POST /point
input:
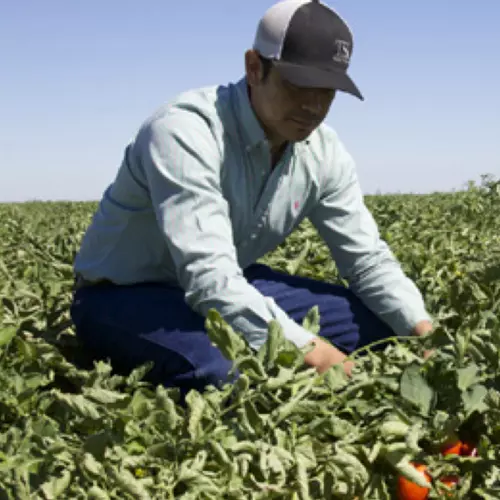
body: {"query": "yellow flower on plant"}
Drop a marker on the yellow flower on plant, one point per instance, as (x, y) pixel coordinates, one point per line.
(139, 472)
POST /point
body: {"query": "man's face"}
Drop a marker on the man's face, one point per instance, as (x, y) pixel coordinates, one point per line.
(287, 112)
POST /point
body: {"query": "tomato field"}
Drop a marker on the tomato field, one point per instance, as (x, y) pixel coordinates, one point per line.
(402, 427)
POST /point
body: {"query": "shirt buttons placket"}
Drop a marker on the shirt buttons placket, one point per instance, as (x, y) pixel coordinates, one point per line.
(265, 214)
(258, 226)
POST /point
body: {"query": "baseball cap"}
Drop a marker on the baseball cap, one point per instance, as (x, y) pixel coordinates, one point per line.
(309, 43)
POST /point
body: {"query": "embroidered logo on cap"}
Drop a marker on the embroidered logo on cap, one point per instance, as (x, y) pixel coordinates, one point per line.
(343, 52)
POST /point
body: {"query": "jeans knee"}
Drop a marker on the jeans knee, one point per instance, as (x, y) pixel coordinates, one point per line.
(216, 372)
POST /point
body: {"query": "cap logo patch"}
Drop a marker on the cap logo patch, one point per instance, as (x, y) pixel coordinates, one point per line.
(343, 53)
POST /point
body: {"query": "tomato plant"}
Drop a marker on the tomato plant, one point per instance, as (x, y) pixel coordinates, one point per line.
(74, 430)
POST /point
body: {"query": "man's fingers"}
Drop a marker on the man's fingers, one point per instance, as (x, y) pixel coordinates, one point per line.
(348, 367)
(428, 353)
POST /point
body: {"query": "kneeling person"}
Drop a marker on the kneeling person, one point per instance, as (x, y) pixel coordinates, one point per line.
(217, 179)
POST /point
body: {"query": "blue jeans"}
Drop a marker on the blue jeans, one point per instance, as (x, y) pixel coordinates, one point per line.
(130, 325)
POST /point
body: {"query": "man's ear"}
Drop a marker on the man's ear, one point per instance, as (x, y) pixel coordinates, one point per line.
(253, 68)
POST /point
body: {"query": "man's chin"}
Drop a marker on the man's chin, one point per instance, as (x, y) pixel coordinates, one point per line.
(297, 131)
(300, 134)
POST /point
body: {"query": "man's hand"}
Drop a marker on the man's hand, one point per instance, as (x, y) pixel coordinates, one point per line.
(423, 328)
(325, 355)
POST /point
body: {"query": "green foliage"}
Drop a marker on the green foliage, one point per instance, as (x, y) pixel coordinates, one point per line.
(280, 431)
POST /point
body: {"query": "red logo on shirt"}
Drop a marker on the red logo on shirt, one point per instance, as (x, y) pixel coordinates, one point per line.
(296, 205)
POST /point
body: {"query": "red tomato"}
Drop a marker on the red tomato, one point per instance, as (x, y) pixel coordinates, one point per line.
(448, 481)
(468, 449)
(408, 490)
(452, 447)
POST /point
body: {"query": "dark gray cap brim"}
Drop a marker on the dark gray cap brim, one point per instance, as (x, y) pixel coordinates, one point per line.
(310, 77)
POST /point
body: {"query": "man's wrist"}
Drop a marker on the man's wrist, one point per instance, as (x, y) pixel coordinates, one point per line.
(422, 328)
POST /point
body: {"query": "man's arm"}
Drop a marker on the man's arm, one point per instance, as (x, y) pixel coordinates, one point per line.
(181, 162)
(362, 257)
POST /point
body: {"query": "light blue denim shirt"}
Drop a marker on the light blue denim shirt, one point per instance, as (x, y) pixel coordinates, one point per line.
(195, 200)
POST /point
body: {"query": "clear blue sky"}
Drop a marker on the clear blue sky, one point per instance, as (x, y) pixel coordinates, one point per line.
(78, 78)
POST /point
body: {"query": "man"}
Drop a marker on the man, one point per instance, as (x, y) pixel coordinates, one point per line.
(214, 181)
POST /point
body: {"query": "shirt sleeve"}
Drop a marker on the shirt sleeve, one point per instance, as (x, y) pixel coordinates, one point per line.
(363, 259)
(181, 160)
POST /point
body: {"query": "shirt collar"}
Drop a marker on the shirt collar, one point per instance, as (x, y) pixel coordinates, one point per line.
(251, 130)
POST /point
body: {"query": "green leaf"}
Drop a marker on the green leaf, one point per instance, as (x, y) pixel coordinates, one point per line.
(268, 352)
(140, 405)
(408, 470)
(231, 344)
(293, 265)
(196, 405)
(128, 484)
(394, 428)
(45, 427)
(282, 379)
(138, 374)
(90, 465)
(56, 486)
(96, 493)
(6, 335)
(96, 444)
(467, 376)
(415, 390)
(474, 399)
(104, 396)
(311, 321)
(79, 405)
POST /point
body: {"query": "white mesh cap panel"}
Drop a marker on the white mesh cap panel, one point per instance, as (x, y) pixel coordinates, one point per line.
(273, 26)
